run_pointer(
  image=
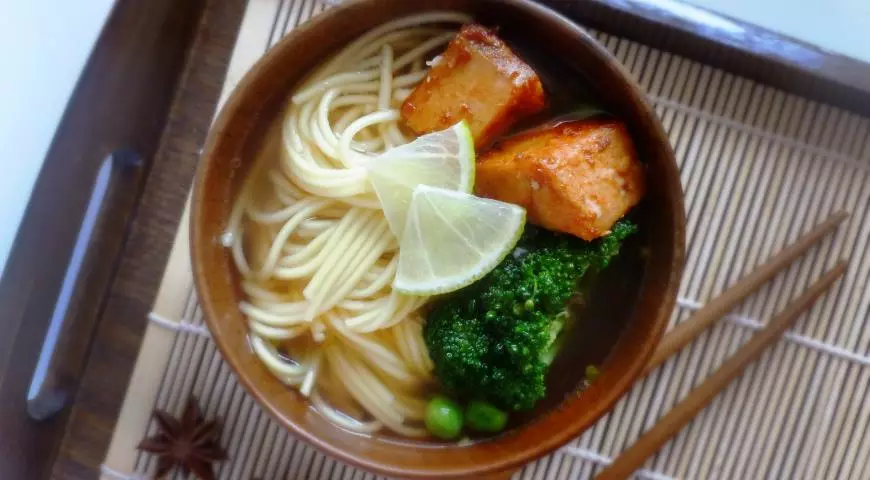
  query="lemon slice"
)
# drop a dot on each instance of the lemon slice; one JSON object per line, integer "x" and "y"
{"x": 442, "y": 159}
{"x": 452, "y": 239}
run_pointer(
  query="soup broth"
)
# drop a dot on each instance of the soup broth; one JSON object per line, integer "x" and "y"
{"x": 391, "y": 354}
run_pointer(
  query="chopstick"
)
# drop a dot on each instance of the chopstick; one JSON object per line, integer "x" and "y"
{"x": 686, "y": 331}
{"x": 650, "y": 442}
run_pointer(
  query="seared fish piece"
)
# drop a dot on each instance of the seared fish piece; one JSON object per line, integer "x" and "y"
{"x": 577, "y": 177}
{"x": 478, "y": 79}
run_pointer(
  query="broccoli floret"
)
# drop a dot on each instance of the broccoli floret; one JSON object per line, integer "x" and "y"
{"x": 495, "y": 339}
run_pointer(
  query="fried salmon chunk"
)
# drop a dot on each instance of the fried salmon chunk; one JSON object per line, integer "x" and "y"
{"x": 478, "y": 79}
{"x": 578, "y": 177}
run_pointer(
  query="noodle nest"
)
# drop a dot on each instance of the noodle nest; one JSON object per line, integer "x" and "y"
{"x": 314, "y": 249}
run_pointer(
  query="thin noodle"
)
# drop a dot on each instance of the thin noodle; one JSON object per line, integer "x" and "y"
{"x": 378, "y": 283}
{"x": 312, "y": 245}
{"x": 343, "y": 419}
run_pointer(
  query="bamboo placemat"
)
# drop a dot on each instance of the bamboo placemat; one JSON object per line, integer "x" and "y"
{"x": 758, "y": 166}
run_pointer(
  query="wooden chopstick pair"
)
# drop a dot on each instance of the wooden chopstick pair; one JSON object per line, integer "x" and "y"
{"x": 681, "y": 414}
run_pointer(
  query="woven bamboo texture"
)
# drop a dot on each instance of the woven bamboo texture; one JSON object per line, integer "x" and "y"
{"x": 758, "y": 167}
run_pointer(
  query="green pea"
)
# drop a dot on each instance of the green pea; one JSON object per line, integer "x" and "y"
{"x": 483, "y": 417}
{"x": 443, "y": 418}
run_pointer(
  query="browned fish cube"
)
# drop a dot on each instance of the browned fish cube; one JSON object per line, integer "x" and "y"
{"x": 478, "y": 79}
{"x": 577, "y": 177}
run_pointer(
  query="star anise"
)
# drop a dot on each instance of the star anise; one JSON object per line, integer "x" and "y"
{"x": 189, "y": 443}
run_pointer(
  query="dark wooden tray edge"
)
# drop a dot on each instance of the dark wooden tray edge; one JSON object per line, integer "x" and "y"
{"x": 733, "y": 45}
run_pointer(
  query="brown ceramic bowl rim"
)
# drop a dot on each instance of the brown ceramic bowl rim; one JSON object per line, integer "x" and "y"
{"x": 569, "y": 426}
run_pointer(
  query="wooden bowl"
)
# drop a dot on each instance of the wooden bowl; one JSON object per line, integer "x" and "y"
{"x": 239, "y": 131}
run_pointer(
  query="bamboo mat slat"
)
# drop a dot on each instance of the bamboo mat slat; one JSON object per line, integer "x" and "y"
{"x": 758, "y": 166}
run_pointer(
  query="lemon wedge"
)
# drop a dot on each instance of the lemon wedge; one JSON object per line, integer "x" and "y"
{"x": 443, "y": 159}
{"x": 452, "y": 239}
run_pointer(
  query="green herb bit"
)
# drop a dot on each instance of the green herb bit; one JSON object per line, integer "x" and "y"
{"x": 592, "y": 373}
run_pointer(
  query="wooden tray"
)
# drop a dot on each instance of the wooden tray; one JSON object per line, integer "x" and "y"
{"x": 152, "y": 86}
